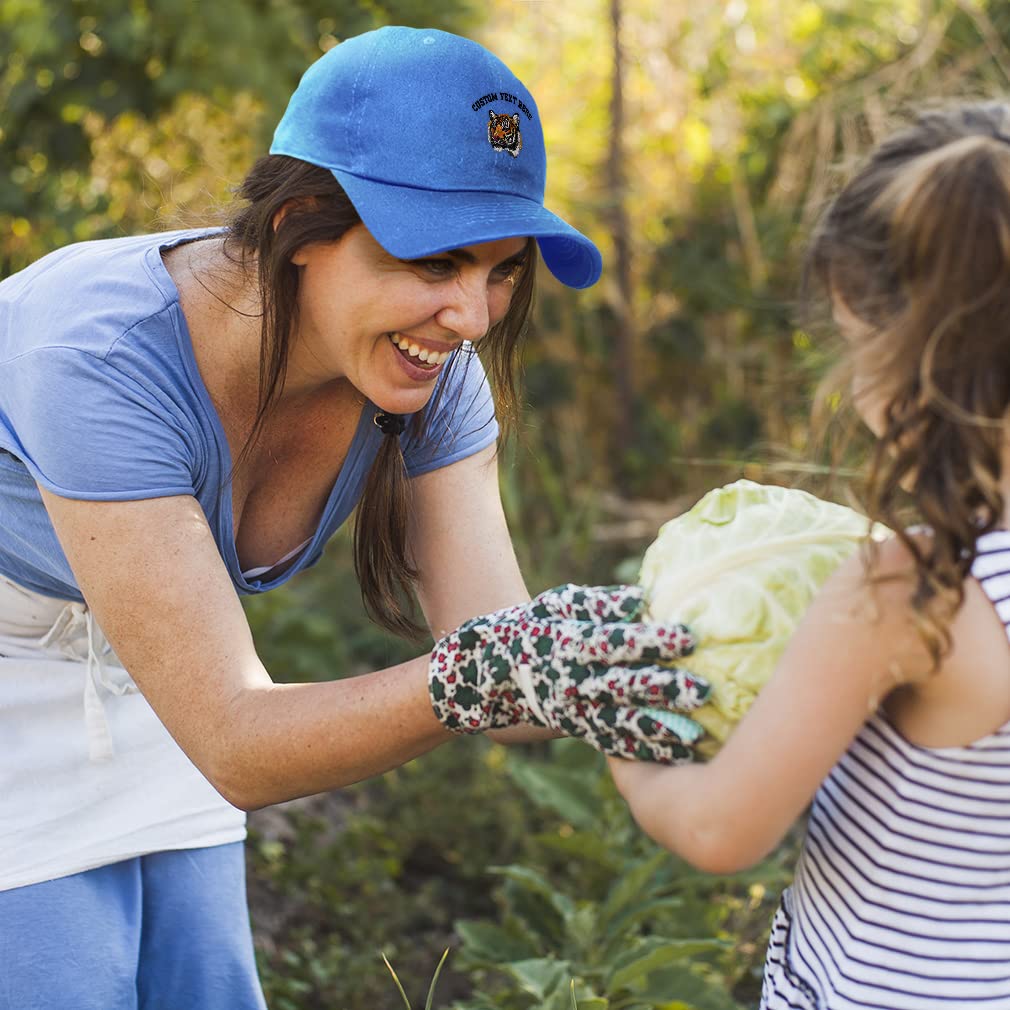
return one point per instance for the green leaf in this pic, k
(434, 979)
(540, 976)
(558, 1000)
(582, 924)
(567, 793)
(479, 1002)
(618, 931)
(584, 847)
(567, 997)
(489, 943)
(535, 883)
(654, 954)
(681, 984)
(574, 756)
(397, 981)
(532, 915)
(584, 997)
(633, 886)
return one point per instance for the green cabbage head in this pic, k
(739, 569)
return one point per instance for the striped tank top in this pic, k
(901, 899)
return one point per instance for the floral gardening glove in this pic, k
(571, 660)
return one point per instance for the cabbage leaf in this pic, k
(739, 569)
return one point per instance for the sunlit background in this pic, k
(696, 143)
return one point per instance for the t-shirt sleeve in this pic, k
(86, 429)
(460, 418)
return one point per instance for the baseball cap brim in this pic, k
(409, 223)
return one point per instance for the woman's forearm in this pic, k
(523, 734)
(288, 740)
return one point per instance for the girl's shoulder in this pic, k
(968, 697)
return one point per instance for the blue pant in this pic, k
(167, 931)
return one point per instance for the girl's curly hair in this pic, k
(917, 247)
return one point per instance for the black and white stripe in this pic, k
(902, 894)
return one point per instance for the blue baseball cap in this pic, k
(436, 142)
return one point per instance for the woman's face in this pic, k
(388, 325)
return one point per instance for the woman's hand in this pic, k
(572, 661)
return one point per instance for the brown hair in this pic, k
(917, 247)
(318, 210)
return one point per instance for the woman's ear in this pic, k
(283, 211)
(307, 203)
(302, 203)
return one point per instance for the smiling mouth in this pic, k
(421, 357)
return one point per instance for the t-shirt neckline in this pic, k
(159, 272)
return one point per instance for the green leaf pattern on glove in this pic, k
(571, 660)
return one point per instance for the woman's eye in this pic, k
(439, 268)
(508, 272)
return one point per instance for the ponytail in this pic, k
(382, 563)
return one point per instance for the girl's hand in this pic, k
(570, 660)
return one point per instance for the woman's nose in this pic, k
(466, 312)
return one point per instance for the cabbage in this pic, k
(739, 569)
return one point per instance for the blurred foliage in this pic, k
(171, 90)
(740, 117)
(595, 902)
(401, 865)
(384, 866)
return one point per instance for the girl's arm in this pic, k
(152, 574)
(851, 649)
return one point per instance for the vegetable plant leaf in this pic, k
(570, 794)
(654, 954)
(485, 942)
(530, 880)
(633, 886)
(540, 976)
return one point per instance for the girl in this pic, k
(890, 707)
(188, 417)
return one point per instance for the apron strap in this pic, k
(74, 628)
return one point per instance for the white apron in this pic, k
(88, 774)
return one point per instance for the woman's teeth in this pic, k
(430, 359)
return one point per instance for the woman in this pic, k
(188, 417)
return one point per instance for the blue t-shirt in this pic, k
(101, 398)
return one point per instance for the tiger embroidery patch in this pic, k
(503, 132)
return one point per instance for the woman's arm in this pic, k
(152, 574)
(460, 542)
(850, 650)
